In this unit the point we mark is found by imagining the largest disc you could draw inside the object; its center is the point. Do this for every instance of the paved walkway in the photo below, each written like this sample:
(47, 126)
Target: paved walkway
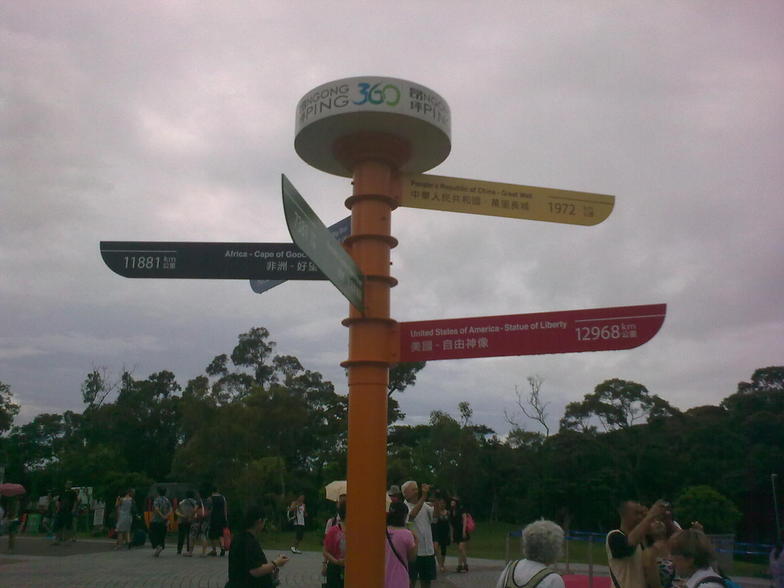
(91, 563)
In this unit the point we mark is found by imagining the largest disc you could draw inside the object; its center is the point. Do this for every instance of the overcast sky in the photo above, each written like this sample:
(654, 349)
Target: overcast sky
(173, 121)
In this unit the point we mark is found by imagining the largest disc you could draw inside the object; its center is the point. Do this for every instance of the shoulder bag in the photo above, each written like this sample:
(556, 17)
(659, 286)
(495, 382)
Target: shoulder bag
(392, 545)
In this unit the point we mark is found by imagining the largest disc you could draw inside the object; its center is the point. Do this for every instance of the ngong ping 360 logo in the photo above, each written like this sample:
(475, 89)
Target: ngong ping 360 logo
(342, 95)
(388, 94)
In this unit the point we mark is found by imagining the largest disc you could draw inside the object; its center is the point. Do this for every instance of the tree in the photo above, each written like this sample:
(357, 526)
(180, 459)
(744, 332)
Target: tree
(252, 351)
(450, 454)
(754, 415)
(530, 445)
(280, 425)
(579, 480)
(765, 392)
(96, 388)
(8, 408)
(251, 358)
(142, 426)
(533, 407)
(769, 380)
(716, 512)
(38, 440)
(401, 376)
(616, 404)
(287, 366)
(466, 413)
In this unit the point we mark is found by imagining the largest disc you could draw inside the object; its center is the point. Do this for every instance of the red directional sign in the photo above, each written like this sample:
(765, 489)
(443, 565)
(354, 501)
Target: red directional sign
(571, 331)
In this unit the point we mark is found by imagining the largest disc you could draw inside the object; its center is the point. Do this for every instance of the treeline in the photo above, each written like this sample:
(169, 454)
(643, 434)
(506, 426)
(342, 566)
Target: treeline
(263, 427)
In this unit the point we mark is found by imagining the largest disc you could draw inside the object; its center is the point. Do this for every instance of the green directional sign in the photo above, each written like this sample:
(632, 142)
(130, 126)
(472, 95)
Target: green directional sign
(310, 235)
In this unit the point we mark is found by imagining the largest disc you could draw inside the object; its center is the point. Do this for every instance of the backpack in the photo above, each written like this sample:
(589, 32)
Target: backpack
(536, 579)
(470, 525)
(726, 582)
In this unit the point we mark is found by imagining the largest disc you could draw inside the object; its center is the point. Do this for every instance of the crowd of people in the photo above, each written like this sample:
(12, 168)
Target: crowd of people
(202, 522)
(59, 516)
(649, 549)
(420, 527)
(652, 550)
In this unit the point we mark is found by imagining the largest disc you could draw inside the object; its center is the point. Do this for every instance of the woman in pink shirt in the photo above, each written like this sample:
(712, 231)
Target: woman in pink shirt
(335, 550)
(400, 547)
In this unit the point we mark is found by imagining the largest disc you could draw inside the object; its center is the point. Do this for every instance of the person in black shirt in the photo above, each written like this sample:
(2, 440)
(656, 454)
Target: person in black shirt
(219, 520)
(248, 566)
(63, 523)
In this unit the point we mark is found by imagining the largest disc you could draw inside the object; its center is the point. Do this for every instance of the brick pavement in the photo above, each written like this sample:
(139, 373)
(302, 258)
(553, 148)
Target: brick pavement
(138, 569)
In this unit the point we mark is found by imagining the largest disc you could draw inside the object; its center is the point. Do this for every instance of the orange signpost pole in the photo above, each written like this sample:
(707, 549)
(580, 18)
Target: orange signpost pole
(374, 159)
(380, 131)
(372, 129)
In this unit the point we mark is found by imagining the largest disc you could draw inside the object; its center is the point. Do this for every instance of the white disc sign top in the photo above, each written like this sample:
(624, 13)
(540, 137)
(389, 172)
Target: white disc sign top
(397, 107)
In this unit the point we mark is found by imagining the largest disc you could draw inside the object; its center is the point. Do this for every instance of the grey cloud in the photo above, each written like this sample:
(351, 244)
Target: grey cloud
(152, 122)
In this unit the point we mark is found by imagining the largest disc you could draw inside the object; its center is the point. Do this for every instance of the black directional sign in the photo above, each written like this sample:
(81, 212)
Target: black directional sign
(219, 261)
(340, 230)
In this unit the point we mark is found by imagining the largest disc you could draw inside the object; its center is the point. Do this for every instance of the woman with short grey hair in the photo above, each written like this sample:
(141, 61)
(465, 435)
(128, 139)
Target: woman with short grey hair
(542, 542)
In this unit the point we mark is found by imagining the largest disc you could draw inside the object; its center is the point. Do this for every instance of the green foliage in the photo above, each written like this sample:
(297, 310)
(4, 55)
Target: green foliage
(94, 389)
(401, 376)
(264, 427)
(615, 404)
(8, 408)
(252, 352)
(259, 481)
(715, 511)
(116, 483)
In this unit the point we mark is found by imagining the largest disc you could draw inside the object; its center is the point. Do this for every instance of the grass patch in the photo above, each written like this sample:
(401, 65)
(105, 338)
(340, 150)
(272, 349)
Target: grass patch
(487, 542)
(274, 541)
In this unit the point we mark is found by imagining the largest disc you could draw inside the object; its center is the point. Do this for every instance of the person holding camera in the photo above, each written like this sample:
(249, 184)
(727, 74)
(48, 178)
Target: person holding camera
(248, 565)
(657, 563)
(420, 519)
(624, 545)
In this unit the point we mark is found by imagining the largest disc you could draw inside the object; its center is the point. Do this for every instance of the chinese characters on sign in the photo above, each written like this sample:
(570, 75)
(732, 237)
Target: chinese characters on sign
(224, 261)
(597, 329)
(508, 200)
(340, 230)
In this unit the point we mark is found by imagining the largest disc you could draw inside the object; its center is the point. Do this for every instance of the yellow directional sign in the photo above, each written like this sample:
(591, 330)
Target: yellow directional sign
(510, 200)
